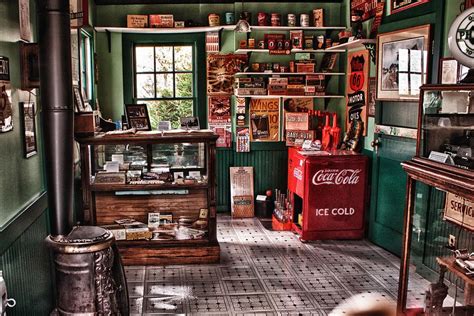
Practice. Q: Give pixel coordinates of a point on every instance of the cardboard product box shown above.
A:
(313, 80)
(251, 91)
(117, 230)
(275, 89)
(296, 137)
(297, 121)
(161, 20)
(277, 81)
(297, 39)
(296, 80)
(305, 67)
(179, 24)
(137, 20)
(309, 90)
(295, 89)
(137, 232)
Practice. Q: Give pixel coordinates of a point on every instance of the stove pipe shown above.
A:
(89, 277)
(58, 113)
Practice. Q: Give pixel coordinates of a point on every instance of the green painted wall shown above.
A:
(21, 179)
(24, 259)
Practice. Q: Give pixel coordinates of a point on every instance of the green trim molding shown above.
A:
(22, 221)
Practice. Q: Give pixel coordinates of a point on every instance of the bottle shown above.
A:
(335, 132)
(326, 139)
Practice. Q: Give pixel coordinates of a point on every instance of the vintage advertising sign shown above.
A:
(357, 87)
(79, 13)
(241, 191)
(460, 38)
(368, 7)
(296, 138)
(6, 111)
(459, 210)
(265, 119)
(400, 5)
(219, 109)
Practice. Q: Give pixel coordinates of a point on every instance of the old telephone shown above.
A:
(5, 301)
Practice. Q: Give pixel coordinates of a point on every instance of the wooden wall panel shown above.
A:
(110, 207)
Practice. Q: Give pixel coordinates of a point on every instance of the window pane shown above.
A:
(145, 86)
(184, 85)
(169, 111)
(144, 59)
(183, 58)
(164, 58)
(164, 85)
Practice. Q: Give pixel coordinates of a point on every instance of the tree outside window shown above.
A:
(164, 80)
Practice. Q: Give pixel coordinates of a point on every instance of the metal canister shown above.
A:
(276, 19)
(262, 19)
(255, 67)
(304, 20)
(320, 42)
(251, 43)
(292, 66)
(291, 19)
(229, 18)
(328, 42)
(214, 19)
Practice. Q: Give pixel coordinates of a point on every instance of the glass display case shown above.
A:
(155, 191)
(438, 240)
(446, 133)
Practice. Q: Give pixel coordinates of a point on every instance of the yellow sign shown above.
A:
(459, 210)
(265, 119)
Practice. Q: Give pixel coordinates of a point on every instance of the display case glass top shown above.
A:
(446, 133)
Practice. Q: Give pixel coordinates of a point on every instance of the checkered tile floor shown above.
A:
(263, 272)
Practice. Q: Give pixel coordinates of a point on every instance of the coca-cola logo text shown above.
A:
(337, 176)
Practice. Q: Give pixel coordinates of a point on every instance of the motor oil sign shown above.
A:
(357, 87)
(459, 210)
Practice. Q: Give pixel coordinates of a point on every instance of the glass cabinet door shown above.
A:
(447, 126)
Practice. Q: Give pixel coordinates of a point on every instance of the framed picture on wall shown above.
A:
(448, 70)
(29, 66)
(137, 116)
(401, 5)
(27, 111)
(402, 63)
(371, 98)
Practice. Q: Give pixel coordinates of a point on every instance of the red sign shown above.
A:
(366, 6)
(357, 88)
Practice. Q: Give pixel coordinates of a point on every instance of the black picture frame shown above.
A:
(29, 66)
(137, 117)
(28, 122)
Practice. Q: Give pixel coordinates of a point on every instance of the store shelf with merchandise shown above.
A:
(292, 51)
(168, 30)
(269, 96)
(271, 73)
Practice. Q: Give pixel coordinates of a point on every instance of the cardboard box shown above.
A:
(161, 20)
(296, 138)
(137, 21)
(305, 67)
(117, 230)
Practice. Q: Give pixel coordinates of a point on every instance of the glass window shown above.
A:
(164, 80)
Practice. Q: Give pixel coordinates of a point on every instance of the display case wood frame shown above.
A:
(153, 252)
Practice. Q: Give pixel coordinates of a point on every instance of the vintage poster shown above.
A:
(219, 109)
(6, 112)
(366, 7)
(221, 70)
(224, 130)
(357, 87)
(265, 119)
(241, 191)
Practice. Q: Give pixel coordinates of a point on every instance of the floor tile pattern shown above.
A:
(264, 272)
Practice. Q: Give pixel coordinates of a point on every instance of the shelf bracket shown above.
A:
(109, 40)
(371, 48)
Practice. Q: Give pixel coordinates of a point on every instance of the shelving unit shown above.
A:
(289, 28)
(238, 74)
(171, 30)
(292, 51)
(360, 43)
(268, 96)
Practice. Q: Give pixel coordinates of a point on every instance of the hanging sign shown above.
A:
(460, 38)
(265, 119)
(358, 76)
(368, 8)
(400, 5)
(459, 210)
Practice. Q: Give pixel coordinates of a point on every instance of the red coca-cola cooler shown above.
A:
(328, 193)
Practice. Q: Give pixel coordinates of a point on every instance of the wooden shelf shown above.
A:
(266, 96)
(172, 30)
(289, 73)
(360, 43)
(288, 28)
(170, 242)
(145, 187)
(293, 51)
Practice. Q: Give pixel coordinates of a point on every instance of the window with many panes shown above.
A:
(164, 80)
